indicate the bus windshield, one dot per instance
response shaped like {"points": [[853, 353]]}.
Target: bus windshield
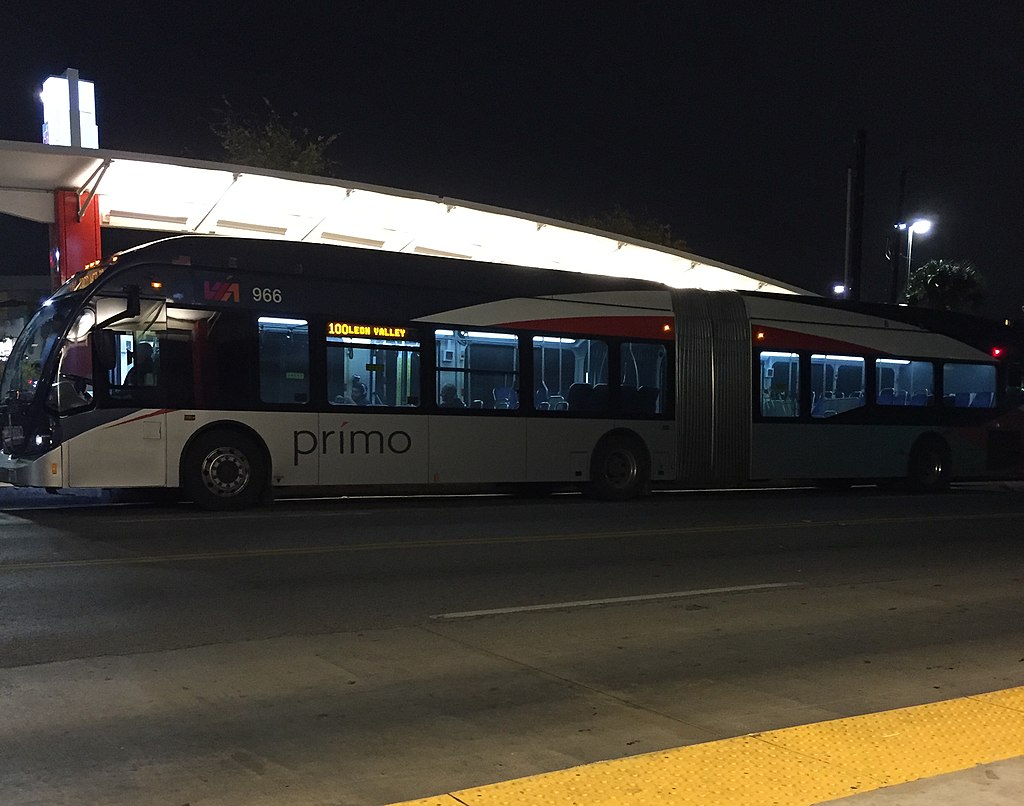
{"points": [[33, 349]]}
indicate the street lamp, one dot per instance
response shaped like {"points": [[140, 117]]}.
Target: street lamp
{"points": [[918, 225]]}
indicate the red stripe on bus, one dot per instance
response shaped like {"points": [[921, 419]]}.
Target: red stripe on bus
{"points": [[777, 338], [141, 417]]}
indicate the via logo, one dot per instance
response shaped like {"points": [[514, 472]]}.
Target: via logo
{"points": [[220, 292]]}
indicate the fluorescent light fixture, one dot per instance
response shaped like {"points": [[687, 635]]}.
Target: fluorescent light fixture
{"points": [[426, 250], [352, 240], [274, 320], [146, 218], [245, 226]]}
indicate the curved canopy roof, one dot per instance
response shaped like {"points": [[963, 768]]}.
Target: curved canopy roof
{"points": [[145, 191]]}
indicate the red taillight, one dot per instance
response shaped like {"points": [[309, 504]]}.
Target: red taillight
{"points": [[997, 352]]}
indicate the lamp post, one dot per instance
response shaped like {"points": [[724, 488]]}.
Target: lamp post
{"points": [[918, 225]]}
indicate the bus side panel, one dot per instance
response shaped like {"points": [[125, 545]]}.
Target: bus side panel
{"points": [[969, 453], [282, 433], [559, 449], [368, 448], [472, 449], [830, 451], [130, 452]]}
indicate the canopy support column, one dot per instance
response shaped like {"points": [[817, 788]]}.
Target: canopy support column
{"points": [[74, 234]]}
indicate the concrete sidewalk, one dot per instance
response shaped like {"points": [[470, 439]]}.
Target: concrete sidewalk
{"points": [[1000, 783]]}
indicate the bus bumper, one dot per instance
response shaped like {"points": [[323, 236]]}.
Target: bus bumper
{"points": [[39, 471]]}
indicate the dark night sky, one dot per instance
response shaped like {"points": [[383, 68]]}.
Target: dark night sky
{"points": [[732, 123]]}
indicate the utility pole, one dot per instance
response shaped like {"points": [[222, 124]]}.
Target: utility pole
{"points": [[855, 218], [896, 242]]}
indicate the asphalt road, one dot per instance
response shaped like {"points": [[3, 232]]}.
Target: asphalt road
{"points": [[364, 651]]}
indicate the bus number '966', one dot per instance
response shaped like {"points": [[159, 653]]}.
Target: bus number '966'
{"points": [[266, 295]]}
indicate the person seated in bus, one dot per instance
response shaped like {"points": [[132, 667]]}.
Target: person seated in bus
{"points": [[342, 399], [450, 398], [360, 394], [143, 371]]}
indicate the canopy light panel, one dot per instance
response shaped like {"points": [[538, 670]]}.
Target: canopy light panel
{"points": [[138, 191]]}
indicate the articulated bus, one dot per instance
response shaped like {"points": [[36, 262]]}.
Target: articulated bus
{"points": [[232, 368]]}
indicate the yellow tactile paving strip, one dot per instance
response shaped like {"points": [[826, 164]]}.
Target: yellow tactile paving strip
{"points": [[806, 764]]}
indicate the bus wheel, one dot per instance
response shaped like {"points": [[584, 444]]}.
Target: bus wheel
{"points": [[618, 470], [224, 470], [928, 469]]}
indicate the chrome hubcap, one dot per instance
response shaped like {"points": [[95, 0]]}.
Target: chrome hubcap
{"points": [[226, 472]]}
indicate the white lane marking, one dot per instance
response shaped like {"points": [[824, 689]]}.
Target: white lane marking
{"points": [[617, 600]]}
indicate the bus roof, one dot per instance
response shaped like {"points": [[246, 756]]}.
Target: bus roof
{"points": [[317, 261]]}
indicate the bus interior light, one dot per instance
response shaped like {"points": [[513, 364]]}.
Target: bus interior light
{"points": [[156, 284], [275, 320], [473, 334], [841, 358], [760, 335]]}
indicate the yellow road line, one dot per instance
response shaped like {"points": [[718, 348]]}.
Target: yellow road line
{"points": [[806, 764], [682, 531]]}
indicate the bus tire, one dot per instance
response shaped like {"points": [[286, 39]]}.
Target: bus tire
{"points": [[223, 470], [619, 470], [928, 469]]}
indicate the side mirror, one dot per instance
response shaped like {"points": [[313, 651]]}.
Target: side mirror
{"points": [[104, 348], [132, 307]]}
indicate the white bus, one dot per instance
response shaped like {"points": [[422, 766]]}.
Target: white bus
{"points": [[231, 368]]}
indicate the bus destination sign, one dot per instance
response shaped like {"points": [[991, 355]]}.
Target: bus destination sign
{"points": [[372, 331]]}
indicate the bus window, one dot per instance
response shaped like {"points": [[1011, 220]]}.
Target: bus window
{"points": [[969, 385], [137, 371], [780, 384], [477, 370], [902, 382], [284, 360], [570, 374], [837, 384], [644, 369], [377, 371], [74, 387]]}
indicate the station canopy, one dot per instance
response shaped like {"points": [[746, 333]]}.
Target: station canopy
{"points": [[177, 196]]}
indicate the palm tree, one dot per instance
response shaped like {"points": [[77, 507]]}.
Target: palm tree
{"points": [[945, 285]]}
